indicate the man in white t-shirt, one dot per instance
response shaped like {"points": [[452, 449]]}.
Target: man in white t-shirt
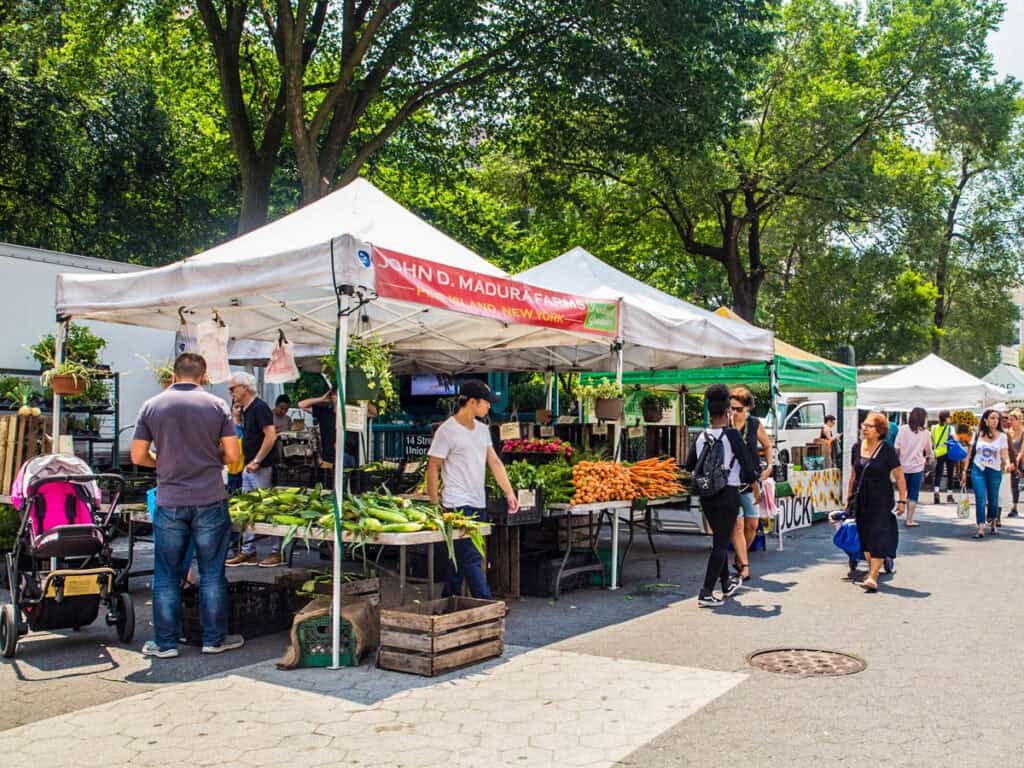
{"points": [[462, 451]]}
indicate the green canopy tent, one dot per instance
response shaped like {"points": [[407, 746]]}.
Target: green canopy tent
{"points": [[792, 369]]}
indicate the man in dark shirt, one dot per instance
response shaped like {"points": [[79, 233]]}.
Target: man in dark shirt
{"points": [[322, 409], [259, 447], [193, 436]]}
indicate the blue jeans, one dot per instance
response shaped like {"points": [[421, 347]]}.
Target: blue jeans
{"points": [[468, 564], [261, 478], [985, 483], [174, 527]]}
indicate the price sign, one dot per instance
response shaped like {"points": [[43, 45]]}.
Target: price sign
{"points": [[547, 431], [527, 498], [355, 418], [600, 429], [566, 419], [509, 431], [635, 432]]}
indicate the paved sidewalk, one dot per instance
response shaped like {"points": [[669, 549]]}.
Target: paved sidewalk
{"points": [[532, 707]]}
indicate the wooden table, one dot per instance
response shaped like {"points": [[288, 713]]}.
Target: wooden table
{"points": [[568, 511], [400, 540]]}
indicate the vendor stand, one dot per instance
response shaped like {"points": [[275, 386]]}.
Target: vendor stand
{"points": [[315, 275]]}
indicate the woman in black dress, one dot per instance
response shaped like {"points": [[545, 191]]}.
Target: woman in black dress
{"points": [[877, 461]]}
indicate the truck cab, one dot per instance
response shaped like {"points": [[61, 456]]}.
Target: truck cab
{"points": [[800, 423]]}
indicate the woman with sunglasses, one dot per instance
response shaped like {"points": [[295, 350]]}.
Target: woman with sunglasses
{"points": [[755, 438], [869, 494], [988, 459]]}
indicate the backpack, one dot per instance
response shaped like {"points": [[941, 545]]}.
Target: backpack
{"points": [[711, 475]]}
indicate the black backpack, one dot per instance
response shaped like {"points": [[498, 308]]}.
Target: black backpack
{"points": [[711, 475]]}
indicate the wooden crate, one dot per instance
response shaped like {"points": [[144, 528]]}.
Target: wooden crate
{"points": [[21, 438], [437, 636], [503, 561]]}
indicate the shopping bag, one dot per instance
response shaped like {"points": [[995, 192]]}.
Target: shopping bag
{"points": [[282, 368], [955, 450], [847, 538], [213, 346], [963, 506]]}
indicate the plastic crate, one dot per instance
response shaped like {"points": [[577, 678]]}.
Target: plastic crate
{"points": [[497, 511], [315, 643], [255, 609]]}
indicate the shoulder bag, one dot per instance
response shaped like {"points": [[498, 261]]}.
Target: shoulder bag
{"points": [[851, 503]]}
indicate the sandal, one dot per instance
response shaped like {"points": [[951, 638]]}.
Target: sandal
{"points": [[868, 586], [911, 525], [978, 535], [740, 568]]}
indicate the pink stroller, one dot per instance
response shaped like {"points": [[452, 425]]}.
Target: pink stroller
{"points": [[61, 567]]}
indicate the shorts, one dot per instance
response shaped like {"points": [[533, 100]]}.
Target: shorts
{"points": [[748, 507], [913, 485]]}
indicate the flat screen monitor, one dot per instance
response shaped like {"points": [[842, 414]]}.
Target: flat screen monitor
{"points": [[429, 385]]}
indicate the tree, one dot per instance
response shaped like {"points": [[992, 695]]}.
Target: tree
{"points": [[839, 82]]}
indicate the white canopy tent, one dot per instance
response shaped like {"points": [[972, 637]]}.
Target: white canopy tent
{"points": [[659, 331], [931, 383], [1010, 378], [278, 278]]}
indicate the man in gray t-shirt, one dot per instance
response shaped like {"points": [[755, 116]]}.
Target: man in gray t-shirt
{"points": [[194, 438]]}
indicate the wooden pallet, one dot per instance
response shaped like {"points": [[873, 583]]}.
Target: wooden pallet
{"points": [[438, 636], [21, 438]]}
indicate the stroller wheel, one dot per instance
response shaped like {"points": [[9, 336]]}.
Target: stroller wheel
{"points": [[125, 621], [8, 631]]}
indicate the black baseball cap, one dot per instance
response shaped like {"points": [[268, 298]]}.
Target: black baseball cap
{"points": [[477, 390]]}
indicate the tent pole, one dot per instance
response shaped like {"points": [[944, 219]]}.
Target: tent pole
{"points": [[617, 429], [58, 358], [340, 367], [549, 382]]}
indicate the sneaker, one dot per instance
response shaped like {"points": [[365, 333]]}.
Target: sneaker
{"points": [[950, 499], [229, 643], [710, 600], [242, 559], [1013, 514], [732, 587], [273, 560], [152, 649], [935, 498]]}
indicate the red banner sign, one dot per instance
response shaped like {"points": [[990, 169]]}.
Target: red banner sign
{"points": [[407, 278]]}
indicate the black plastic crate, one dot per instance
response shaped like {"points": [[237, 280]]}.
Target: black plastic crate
{"points": [[255, 609], [497, 511], [537, 572], [361, 481]]}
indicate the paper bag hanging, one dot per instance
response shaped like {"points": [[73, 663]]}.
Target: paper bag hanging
{"points": [[282, 368], [183, 342], [213, 346]]}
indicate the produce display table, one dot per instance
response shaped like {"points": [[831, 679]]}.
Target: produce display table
{"points": [[646, 509], [601, 508], [400, 540]]}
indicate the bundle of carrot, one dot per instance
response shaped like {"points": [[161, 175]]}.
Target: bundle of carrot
{"points": [[601, 481], [656, 478]]}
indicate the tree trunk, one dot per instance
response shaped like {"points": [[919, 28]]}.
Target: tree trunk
{"points": [[255, 203], [942, 267]]}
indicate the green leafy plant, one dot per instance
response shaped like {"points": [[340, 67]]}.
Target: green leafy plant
{"points": [[21, 393], [83, 346], [162, 372], [654, 401], [75, 370], [373, 357], [606, 389], [9, 521]]}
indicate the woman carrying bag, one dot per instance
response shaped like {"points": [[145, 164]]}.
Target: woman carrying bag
{"points": [[869, 496], [988, 459], [914, 447]]}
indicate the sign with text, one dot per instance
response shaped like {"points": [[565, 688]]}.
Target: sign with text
{"points": [[355, 418], [509, 431], [636, 432], [600, 429], [407, 278], [416, 443], [794, 512], [547, 431]]}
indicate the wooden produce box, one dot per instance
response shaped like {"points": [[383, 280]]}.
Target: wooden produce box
{"points": [[437, 636]]}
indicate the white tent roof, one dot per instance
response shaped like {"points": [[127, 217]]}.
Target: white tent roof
{"points": [[930, 383], [660, 332], [279, 277], [1010, 378]]}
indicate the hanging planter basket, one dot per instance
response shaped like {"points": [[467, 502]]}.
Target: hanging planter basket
{"points": [[653, 414], [357, 386], [69, 385], [609, 409]]}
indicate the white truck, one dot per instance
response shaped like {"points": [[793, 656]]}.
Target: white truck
{"points": [[800, 417]]}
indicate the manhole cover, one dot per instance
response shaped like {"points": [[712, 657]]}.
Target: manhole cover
{"points": [[807, 662]]}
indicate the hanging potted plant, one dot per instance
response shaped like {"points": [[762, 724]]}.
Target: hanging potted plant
{"points": [[368, 377], [605, 398], [654, 406], [68, 378]]}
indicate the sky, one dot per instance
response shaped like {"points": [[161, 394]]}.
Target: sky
{"points": [[1006, 44]]}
